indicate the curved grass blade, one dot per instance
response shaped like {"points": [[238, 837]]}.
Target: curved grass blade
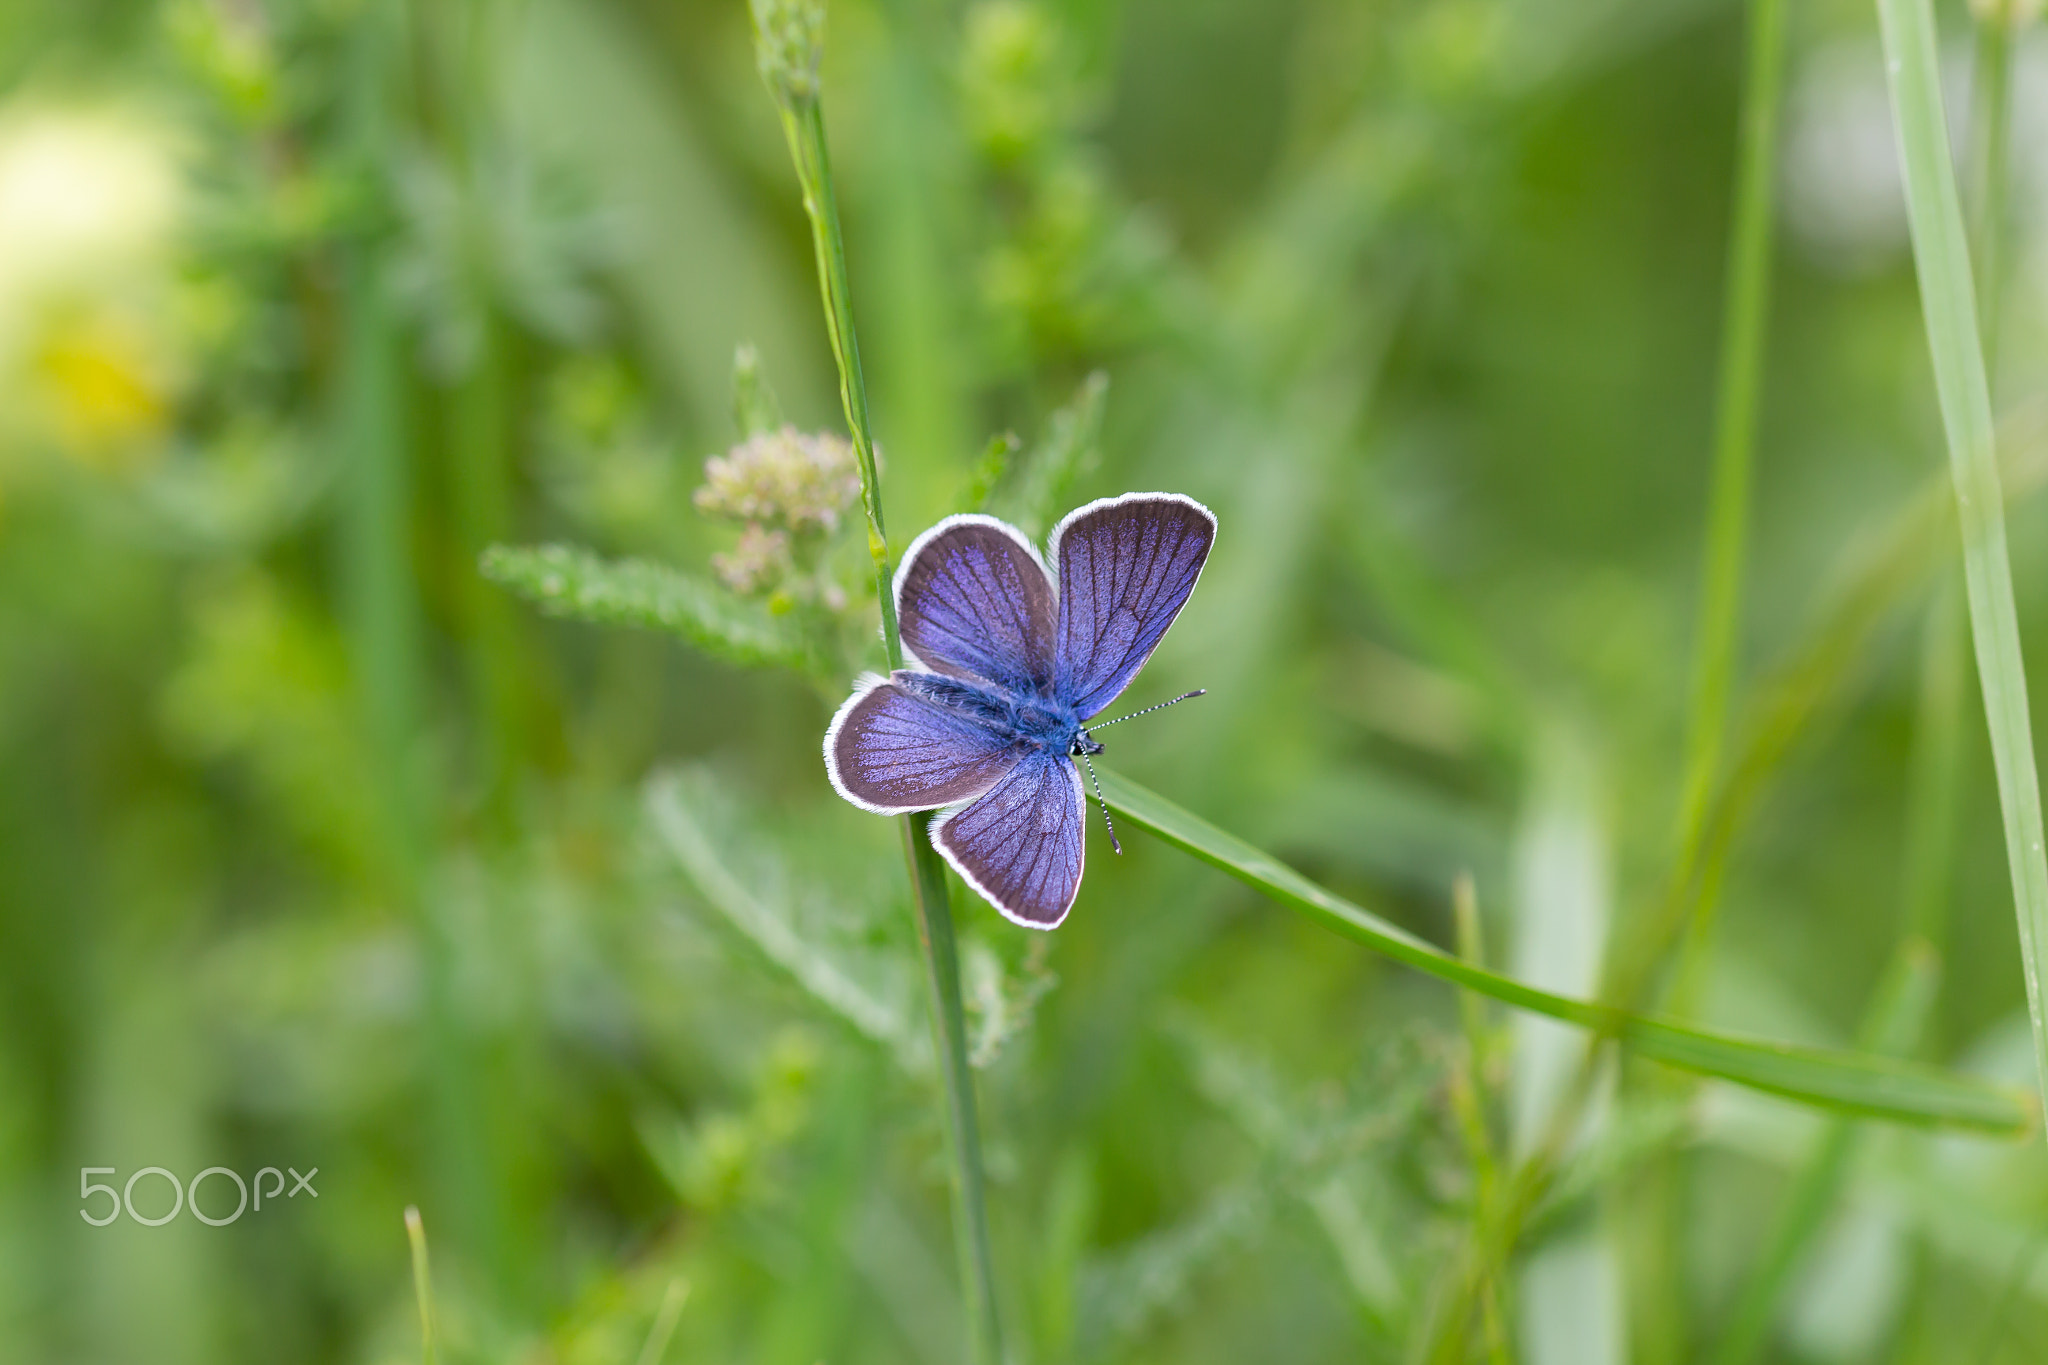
{"points": [[1849, 1082], [1941, 261]]}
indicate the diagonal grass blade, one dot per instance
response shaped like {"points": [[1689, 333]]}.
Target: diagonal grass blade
{"points": [[1849, 1082]]}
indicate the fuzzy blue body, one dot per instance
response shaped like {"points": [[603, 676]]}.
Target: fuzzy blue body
{"points": [[1027, 719]]}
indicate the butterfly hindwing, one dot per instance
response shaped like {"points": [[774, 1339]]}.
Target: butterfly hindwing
{"points": [[1021, 844], [890, 752], [1126, 567], [972, 600]]}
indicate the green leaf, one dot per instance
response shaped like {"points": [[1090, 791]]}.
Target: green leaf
{"points": [[808, 930], [1845, 1081], [574, 583], [1941, 261]]}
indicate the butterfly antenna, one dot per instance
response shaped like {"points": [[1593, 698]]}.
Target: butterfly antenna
{"points": [[1104, 804], [1198, 692]]}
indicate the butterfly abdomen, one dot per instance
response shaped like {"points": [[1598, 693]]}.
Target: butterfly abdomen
{"points": [[1028, 718]]}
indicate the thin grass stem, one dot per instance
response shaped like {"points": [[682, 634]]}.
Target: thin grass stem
{"points": [[789, 39], [1906, 994], [1658, 1297], [1787, 705], [1990, 164], [1472, 1012], [480, 501], [379, 607], [422, 1281], [1848, 1083], [1948, 303], [381, 611], [665, 1319], [1897, 1012], [1745, 315], [803, 123], [1468, 1098], [458, 47], [942, 977], [1695, 883], [1937, 767]]}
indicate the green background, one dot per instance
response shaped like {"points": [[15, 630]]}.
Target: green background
{"points": [[319, 849]]}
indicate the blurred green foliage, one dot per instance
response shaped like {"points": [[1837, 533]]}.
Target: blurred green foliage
{"points": [[321, 847]]}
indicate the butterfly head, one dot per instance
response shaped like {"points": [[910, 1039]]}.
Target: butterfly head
{"points": [[1085, 744]]}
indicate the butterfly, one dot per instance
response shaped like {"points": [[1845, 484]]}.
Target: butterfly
{"points": [[1010, 664]]}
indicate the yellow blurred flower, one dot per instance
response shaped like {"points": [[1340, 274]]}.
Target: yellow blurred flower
{"points": [[107, 394], [90, 201]]}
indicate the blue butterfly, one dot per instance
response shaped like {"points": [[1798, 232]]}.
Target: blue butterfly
{"points": [[1008, 669]]}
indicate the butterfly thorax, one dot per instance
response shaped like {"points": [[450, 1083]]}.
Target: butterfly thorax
{"points": [[1028, 717]]}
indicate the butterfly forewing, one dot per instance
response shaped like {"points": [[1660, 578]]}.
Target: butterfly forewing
{"points": [[892, 752], [1126, 567], [1021, 845], [972, 600]]}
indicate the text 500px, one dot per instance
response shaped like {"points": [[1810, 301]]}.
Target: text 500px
{"points": [[183, 1196]]}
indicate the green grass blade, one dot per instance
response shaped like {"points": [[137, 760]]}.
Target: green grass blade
{"points": [[1941, 258], [1928, 864], [1990, 159], [1659, 1310], [574, 583], [1468, 1103], [789, 46], [956, 1073], [422, 1281], [1906, 994], [1745, 313], [1813, 678], [1848, 1082]]}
